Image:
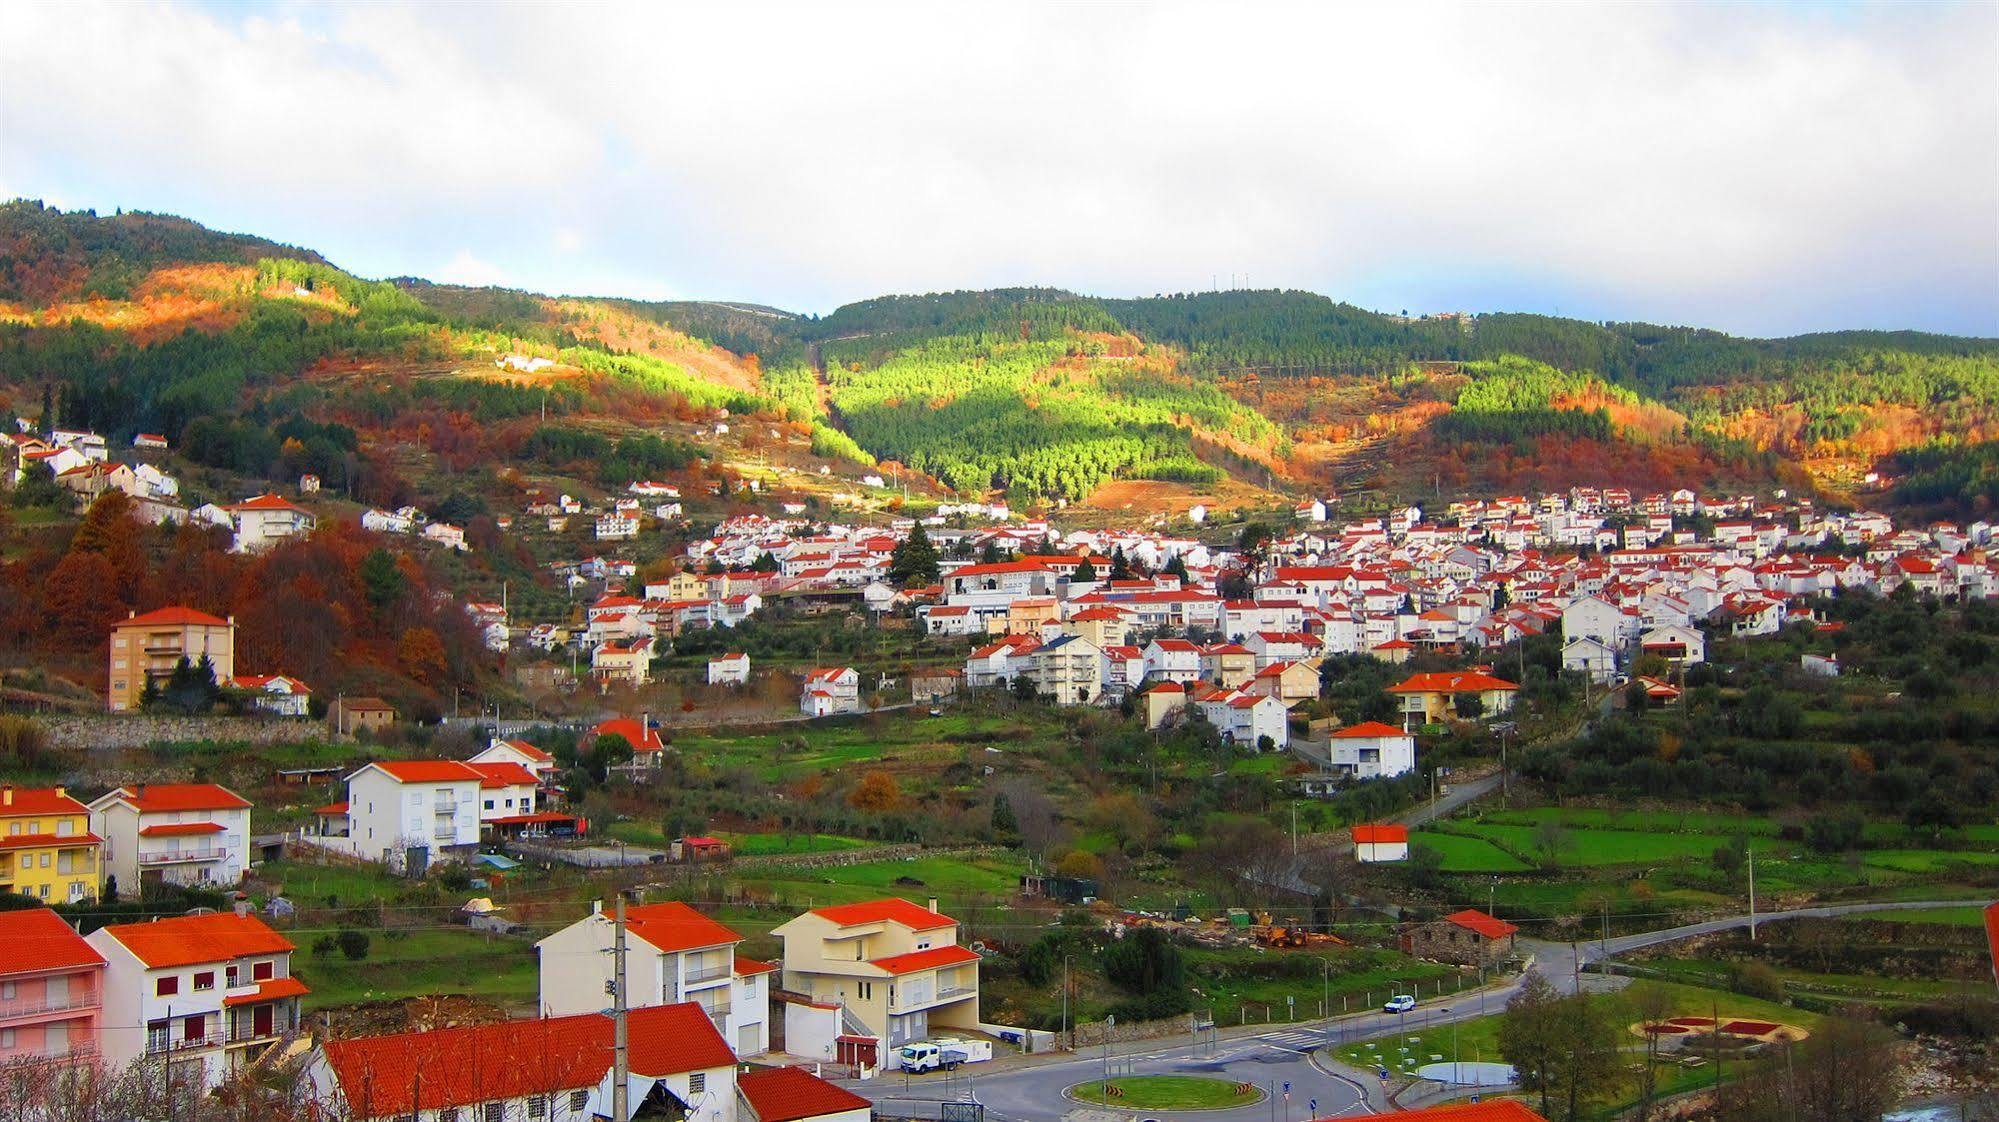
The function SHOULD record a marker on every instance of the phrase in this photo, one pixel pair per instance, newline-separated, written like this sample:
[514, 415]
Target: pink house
[51, 988]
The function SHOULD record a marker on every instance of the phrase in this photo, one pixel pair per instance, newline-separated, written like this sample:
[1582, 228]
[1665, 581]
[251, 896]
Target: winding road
[1031, 1089]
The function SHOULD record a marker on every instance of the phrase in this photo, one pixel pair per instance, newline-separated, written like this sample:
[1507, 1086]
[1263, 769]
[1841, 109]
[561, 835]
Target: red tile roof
[270, 991]
[1471, 919]
[1380, 835]
[528, 750]
[1458, 681]
[429, 771]
[381, 1076]
[673, 926]
[268, 502]
[331, 809]
[892, 909]
[187, 940]
[38, 800]
[788, 1094]
[503, 775]
[1497, 1110]
[641, 739]
[926, 960]
[745, 967]
[181, 829]
[172, 617]
[36, 841]
[37, 939]
[157, 798]
[1368, 729]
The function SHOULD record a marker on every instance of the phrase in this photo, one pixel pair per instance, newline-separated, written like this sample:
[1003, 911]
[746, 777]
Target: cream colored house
[896, 967]
[673, 954]
[1068, 671]
[146, 648]
[1103, 625]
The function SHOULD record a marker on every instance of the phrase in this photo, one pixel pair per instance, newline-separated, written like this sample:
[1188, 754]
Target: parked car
[1400, 1003]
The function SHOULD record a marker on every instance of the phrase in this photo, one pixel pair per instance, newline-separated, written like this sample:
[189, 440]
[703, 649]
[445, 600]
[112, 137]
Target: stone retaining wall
[107, 732]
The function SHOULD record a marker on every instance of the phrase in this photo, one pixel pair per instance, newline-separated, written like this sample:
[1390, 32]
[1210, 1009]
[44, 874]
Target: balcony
[157, 1045]
[445, 808]
[720, 1019]
[181, 856]
[445, 832]
[698, 974]
[43, 1007]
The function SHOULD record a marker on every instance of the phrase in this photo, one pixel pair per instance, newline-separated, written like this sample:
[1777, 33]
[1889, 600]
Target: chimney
[596, 907]
[933, 903]
[62, 792]
[7, 795]
[139, 792]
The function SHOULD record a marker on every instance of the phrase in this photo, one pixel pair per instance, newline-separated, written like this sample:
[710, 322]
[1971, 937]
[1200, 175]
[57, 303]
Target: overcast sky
[1760, 168]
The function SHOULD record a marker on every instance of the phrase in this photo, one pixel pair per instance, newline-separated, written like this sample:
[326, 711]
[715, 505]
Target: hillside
[144, 322]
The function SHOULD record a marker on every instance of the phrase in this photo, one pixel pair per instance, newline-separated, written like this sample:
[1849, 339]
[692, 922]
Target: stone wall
[106, 732]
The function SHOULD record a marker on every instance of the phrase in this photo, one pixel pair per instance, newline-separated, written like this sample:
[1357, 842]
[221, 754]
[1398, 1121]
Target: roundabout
[1166, 1093]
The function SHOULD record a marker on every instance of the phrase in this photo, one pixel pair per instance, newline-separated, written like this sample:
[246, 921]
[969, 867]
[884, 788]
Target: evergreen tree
[1084, 573]
[915, 559]
[1004, 822]
[1177, 567]
[1120, 568]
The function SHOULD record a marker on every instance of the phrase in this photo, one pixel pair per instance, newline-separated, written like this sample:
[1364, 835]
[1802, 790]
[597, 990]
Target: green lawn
[954, 880]
[1243, 984]
[775, 753]
[429, 961]
[1588, 848]
[312, 887]
[1956, 917]
[1469, 855]
[1168, 1092]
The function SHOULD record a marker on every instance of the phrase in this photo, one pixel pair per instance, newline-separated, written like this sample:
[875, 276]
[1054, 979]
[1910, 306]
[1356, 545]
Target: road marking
[1296, 1041]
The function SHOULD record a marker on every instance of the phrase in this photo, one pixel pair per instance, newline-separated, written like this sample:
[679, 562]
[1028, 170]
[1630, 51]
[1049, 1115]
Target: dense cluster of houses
[214, 995]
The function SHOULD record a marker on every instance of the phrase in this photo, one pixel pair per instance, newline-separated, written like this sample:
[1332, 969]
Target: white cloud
[469, 270]
[1756, 167]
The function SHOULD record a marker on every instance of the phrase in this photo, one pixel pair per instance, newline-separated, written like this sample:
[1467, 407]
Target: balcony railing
[952, 993]
[181, 856]
[179, 1042]
[246, 1032]
[720, 1018]
[445, 806]
[36, 1008]
[698, 974]
[445, 831]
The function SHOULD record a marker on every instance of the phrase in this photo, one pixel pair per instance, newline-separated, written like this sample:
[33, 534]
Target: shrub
[353, 944]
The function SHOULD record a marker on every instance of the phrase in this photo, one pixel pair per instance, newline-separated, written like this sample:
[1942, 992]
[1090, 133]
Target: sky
[1764, 169]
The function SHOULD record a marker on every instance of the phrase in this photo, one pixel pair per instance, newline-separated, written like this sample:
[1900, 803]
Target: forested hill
[140, 321]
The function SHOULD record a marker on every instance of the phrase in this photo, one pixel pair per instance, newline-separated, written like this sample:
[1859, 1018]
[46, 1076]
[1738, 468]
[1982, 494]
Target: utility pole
[1294, 829]
[1752, 892]
[1066, 1044]
[620, 1048]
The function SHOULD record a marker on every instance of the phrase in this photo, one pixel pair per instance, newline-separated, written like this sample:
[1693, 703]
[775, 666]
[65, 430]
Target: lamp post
[1326, 999]
[1067, 1044]
[1110, 1022]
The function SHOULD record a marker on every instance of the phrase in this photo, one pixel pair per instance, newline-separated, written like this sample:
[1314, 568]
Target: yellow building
[46, 848]
[145, 649]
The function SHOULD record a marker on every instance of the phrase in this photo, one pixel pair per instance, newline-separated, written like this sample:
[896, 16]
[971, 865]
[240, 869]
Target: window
[7, 991]
[866, 990]
[194, 1028]
[166, 987]
[205, 980]
[496, 1112]
[579, 1100]
[261, 972]
[537, 1106]
[6, 1038]
[448, 1114]
[47, 860]
[229, 976]
[409, 1117]
[697, 1083]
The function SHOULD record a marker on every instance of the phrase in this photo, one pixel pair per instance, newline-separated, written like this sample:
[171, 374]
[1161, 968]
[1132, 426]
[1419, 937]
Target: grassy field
[1245, 985]
[1956, 917]
[1587, 848]
[954, 880]
[744, 844]
[1167, 1092]
[781, 752]
[431, 961]
[1469, 855]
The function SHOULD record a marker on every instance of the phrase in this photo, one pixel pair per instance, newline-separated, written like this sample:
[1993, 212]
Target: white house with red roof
[277, 694]
[1376, 843]
[999, 662]
[1124, 668]
[1246, 718]
[1281, 646]
[51, 989]
[895, 966]
[673, 954]
[408, 814]
[1172, 660]
[498, 751]
[732, 669]
[555, 1069]
[1372, 750]
[210, 992]
[830, 690]
[266, 520]
[179, 833]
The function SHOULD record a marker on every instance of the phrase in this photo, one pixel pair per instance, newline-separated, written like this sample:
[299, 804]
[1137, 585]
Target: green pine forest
[1037, 393]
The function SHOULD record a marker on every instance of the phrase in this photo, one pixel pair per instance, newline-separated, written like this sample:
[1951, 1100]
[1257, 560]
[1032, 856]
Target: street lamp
[1110, 1022]
[1067, 1044]
[1326, 999]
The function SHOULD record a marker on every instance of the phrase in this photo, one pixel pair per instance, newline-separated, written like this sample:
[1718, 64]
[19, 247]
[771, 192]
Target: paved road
[1460, 794]
[1032, 1091]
